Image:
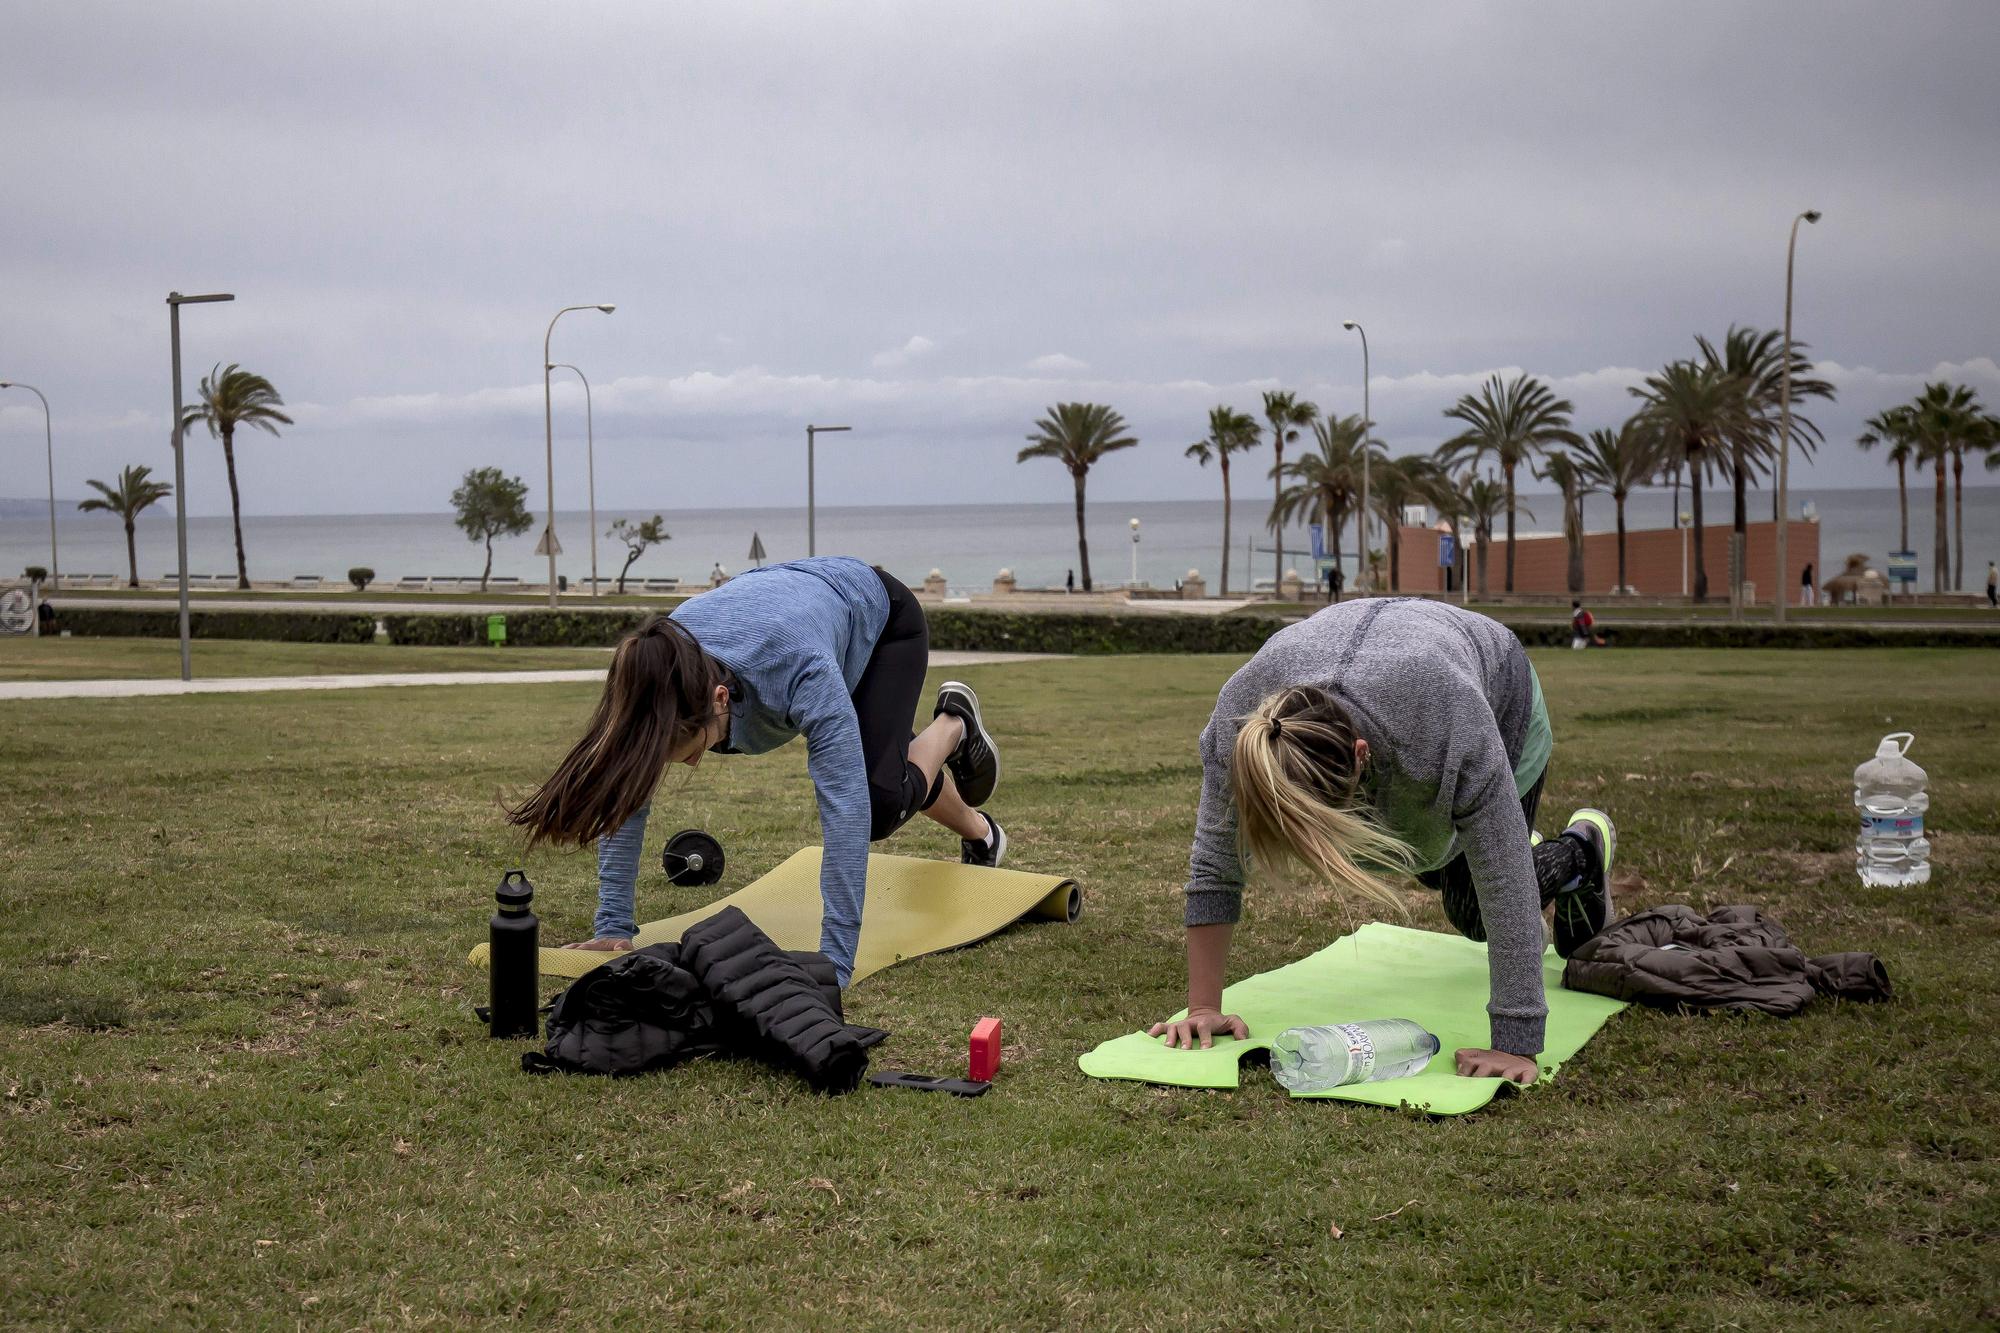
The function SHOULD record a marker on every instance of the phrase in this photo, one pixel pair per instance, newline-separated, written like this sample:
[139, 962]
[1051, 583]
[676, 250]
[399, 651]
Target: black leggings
[885, 702]
[1558, 861]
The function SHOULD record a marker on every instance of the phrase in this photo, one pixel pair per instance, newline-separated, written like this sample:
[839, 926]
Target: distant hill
[10, 508]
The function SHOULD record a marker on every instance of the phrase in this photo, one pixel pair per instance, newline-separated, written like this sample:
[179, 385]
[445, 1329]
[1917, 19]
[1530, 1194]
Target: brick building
[1654, 560]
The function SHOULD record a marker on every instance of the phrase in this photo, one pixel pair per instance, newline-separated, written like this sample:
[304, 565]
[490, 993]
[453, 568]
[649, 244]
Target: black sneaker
[975, 764]
[1583, 910]
[984, 852]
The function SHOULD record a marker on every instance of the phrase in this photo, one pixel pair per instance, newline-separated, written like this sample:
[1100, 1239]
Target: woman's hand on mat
[1476, 1063]
[603, 944]
[1203, 1025]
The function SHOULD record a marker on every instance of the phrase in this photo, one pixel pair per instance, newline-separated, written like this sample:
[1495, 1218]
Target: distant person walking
[1069, 581]
[1992, 584]
[1336, 581]
[1807, 593]
[716, 576]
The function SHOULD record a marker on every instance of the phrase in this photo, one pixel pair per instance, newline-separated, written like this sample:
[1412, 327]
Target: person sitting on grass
[1393, 736]
[1583, 627]
[828, 648]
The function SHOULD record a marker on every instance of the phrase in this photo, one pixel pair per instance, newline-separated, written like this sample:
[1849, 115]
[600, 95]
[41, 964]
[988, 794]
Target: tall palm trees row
[1713, 417]
[1940, 426]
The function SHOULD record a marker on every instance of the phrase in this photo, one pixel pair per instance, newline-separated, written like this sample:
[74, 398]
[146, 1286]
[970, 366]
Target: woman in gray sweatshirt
[1393, 736]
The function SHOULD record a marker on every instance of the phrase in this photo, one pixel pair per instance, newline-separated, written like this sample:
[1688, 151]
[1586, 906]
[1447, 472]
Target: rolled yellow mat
[914, 907]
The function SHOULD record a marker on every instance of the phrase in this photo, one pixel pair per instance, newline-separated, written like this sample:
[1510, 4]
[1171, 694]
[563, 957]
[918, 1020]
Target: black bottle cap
[515, 892]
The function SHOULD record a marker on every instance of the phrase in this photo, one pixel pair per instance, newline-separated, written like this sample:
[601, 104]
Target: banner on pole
[1447, 551]
[1318, 540]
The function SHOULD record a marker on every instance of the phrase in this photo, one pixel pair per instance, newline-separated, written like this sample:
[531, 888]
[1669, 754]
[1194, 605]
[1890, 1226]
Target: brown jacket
[1733, 958]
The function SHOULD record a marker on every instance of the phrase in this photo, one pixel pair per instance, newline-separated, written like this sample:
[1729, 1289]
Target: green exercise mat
[1379, 971]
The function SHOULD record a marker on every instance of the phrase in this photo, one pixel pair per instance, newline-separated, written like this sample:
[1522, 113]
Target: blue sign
[1903, 566]
[1447, 551]
[1318, 540]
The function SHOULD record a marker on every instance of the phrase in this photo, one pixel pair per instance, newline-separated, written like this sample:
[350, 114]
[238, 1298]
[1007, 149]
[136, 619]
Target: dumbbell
[691, 858]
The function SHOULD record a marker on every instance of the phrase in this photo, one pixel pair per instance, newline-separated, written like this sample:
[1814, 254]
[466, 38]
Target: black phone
[958, 1087]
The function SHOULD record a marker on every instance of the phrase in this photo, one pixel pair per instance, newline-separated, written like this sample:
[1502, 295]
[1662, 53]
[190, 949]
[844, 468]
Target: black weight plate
[692, 857]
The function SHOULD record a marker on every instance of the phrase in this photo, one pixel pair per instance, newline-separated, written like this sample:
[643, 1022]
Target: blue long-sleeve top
[795, 638]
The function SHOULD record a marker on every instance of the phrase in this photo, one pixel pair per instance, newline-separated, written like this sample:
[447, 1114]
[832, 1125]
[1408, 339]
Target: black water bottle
[513, 960]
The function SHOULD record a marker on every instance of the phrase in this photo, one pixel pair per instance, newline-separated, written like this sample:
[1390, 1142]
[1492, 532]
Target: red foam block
[985, 1061]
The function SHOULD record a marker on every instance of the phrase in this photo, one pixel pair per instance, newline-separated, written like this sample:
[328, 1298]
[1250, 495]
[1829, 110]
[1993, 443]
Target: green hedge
[525, 629]
[85, 620]
[965, 630]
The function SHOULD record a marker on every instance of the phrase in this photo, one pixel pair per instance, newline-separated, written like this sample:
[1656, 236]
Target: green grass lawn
[241, 1085]
[160, 659]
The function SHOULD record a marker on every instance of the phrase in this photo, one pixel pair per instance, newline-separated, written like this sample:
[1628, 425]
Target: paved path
[126, 689]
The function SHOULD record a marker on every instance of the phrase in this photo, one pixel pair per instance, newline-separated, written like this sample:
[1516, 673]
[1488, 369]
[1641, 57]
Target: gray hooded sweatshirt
[1452, 714]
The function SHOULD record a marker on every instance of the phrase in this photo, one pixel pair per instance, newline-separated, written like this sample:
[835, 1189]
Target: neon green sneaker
[1585, 909]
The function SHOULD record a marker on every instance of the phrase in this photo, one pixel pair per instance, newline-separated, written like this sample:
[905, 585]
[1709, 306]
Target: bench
[659, 585]
[307, 580]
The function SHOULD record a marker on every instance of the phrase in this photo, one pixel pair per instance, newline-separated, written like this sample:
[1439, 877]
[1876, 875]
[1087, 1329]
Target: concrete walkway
[128, 689]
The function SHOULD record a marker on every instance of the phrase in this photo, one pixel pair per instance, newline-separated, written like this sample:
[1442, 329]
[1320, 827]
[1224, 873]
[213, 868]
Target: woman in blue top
[830, 649]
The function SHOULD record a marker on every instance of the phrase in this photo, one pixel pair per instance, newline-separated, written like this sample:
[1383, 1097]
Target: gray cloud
[1161, 207]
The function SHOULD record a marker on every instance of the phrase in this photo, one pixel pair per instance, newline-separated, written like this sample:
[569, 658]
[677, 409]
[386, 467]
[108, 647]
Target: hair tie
[1277, 728]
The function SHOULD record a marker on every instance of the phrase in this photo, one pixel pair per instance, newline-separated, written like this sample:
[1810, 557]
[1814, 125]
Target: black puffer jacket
[1733, 958]
[725, 988]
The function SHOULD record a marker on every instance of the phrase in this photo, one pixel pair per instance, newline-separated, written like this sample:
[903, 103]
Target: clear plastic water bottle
[1891, 851]
[1318, 1058]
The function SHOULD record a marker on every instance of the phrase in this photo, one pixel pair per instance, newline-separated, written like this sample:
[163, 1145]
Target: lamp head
[1135, 525]
[6, 384]
[607, 309]
[1348, 324]
[1812, 215]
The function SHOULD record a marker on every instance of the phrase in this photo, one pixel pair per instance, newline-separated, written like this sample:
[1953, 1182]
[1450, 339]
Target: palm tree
[1327, 483]
[1944, 420]
[1286, 413]
[1758, 361]
[1398, 483]
[1690, 409]
[1511, 422]
[1077, 435]
[1618, 461]
[1560, 468]
[232, 397]
[136, 491]
[1229, 432]
[1482, 498]
[1894, 429]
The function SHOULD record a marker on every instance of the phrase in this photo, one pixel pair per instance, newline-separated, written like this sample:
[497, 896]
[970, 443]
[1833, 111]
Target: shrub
[34, 573]
[361, 576]
[1085, 633]
[86, 620]
[525, 629]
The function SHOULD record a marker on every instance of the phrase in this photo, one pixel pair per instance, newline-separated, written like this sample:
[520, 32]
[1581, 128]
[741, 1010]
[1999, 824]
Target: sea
[970, 544]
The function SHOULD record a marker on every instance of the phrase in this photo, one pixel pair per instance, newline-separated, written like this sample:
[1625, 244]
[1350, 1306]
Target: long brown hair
[1300, 811]
[657, 698]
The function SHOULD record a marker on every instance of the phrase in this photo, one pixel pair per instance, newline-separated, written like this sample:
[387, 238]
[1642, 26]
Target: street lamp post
[1684, 518]
[812, 532]
[1367, 433]
[1785, 419]
[174, 303]
[590, 463]
[1135, 552]
[48, 442]
[549, 543]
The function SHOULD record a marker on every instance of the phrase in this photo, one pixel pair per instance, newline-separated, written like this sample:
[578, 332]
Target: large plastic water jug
[1891, 851]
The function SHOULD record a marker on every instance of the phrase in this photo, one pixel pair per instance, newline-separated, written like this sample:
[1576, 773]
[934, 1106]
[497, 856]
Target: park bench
[307, 580]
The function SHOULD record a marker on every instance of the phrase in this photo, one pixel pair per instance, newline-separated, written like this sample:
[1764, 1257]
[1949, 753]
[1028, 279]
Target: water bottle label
[1360, 1050]
[1891, 826]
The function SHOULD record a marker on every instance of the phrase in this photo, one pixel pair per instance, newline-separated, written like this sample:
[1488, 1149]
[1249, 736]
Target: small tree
[35, 573]
[135, 492]
[637, 537]
[491, 504]
[361, 576]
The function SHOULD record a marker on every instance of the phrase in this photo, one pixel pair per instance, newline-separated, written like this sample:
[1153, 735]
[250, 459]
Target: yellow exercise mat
[914, 907]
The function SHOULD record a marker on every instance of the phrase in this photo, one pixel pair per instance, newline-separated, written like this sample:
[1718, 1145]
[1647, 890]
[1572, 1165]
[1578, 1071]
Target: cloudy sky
[930, 220]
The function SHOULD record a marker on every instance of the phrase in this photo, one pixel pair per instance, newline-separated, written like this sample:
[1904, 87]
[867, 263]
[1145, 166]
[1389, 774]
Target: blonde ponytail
[1299, 818]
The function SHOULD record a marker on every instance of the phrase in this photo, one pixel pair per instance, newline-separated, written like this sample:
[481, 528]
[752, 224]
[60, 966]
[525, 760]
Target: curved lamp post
[549, 544]
[590, 463]
[48, 442]
[1782, 588]
[1367, 434]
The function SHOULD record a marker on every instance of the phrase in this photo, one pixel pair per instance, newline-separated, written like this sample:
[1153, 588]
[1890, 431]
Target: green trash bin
[496, 629]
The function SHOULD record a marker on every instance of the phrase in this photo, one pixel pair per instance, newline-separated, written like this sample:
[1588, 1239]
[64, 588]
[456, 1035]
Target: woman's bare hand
[1474, 1062]
[1203, 1025]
